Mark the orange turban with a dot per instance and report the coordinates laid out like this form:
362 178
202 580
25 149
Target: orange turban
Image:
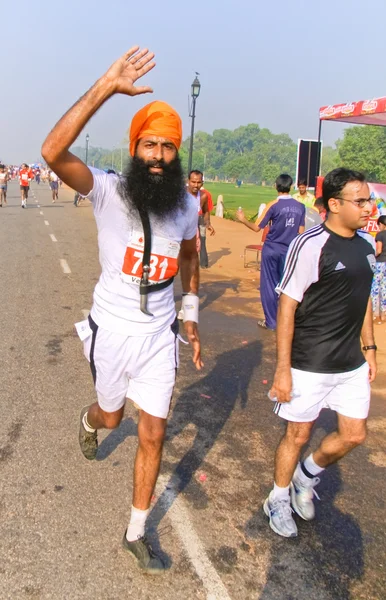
156 118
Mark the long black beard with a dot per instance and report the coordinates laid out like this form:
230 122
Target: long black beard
161 195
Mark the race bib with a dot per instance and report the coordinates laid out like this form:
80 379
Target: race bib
163 259
24 177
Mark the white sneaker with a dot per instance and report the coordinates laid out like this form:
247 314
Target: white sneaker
280 516
180 315
302 494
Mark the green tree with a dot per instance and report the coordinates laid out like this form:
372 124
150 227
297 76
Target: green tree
364 149
330 159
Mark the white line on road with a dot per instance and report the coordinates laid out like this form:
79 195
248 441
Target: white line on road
46 223
85 312
178 513
38 205
64 264
53 237
41 212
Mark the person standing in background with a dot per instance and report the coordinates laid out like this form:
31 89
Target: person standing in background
303 195
378 288
195 184
286 217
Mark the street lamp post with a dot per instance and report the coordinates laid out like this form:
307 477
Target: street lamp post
195 92
87 141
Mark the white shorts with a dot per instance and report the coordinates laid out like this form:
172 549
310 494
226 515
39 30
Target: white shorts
140 368
346 393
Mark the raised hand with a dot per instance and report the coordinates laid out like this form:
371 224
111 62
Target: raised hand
126 70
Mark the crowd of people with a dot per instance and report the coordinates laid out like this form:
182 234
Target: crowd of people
25 174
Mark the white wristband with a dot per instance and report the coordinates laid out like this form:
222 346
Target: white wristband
190 304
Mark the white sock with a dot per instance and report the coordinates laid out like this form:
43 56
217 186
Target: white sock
136 528
280 493
312 468
87 425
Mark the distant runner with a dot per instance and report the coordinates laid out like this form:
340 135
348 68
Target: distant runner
54 185
25 175
4 178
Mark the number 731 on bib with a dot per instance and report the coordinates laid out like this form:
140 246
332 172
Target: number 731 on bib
163 259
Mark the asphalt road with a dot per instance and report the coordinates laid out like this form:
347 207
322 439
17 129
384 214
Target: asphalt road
62 518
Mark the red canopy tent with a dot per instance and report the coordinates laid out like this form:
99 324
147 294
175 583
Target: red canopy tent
364 112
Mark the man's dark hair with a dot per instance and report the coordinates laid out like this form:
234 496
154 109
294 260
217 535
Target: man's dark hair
302 182
284 183
319 202
335 181
196 172
382 220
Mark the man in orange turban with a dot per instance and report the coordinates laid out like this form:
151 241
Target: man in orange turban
146 233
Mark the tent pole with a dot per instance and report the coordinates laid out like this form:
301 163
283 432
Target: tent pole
318 161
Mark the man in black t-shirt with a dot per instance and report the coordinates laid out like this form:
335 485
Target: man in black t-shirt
324 312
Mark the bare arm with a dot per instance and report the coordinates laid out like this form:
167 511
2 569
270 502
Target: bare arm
206 213
282 384
301 229
241 217
189 268
367 335
119 79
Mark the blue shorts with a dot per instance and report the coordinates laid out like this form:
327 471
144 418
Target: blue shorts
54 185
3 187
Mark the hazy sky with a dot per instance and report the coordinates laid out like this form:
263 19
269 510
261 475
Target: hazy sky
273 63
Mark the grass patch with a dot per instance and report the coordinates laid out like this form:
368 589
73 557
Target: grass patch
249 197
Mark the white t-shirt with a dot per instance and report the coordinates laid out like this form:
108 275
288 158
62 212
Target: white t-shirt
116 304
53 176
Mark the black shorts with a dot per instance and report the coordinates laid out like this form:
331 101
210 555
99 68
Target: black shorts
24 187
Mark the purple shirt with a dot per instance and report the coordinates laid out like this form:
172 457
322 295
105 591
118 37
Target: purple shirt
285 216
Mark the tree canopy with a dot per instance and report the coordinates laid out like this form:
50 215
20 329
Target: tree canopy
257 155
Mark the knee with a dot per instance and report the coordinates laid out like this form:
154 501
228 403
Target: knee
152 435
351 440
298 438
112 420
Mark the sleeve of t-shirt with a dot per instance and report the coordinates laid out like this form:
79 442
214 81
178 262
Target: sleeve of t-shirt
266 216
303 218
100 192
368 237
301 267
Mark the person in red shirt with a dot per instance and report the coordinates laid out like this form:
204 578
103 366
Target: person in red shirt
25 176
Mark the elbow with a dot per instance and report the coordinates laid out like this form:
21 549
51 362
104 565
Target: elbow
46 152
49 153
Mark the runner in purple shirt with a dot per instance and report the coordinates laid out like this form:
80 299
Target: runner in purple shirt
286 218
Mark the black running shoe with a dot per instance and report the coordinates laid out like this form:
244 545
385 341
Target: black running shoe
147 560
88 441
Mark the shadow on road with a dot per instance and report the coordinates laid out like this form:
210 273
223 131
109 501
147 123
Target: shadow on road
127 428
214 257
215 289
207 405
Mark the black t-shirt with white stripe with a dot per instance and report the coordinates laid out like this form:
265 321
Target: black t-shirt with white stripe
330 276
